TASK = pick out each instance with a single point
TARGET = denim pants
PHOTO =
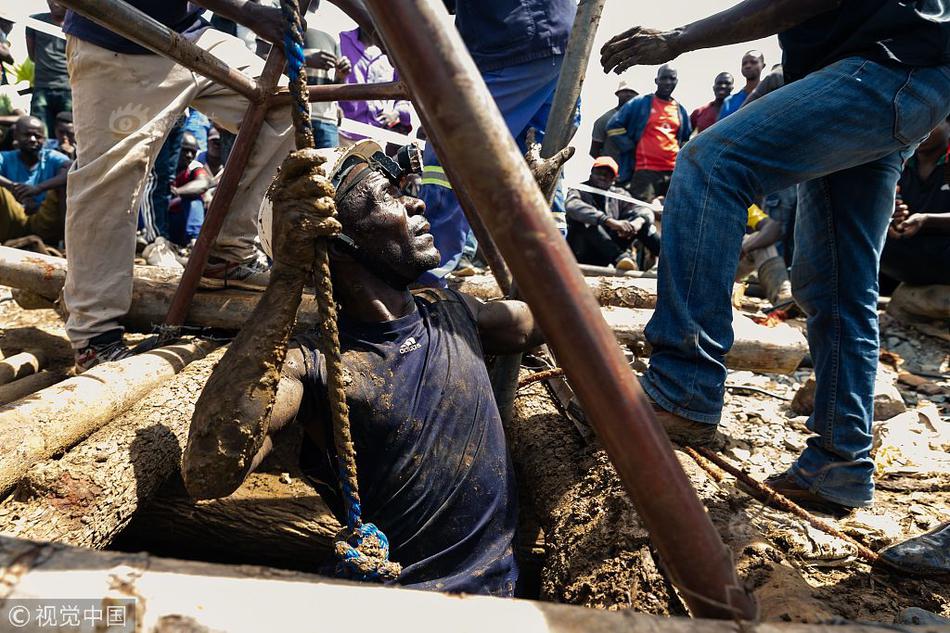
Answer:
(325, 133)
(843, 132)
(185, 218)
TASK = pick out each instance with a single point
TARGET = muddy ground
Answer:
(764, 435)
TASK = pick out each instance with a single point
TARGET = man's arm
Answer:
(505, 327)
(196, 187)
(767, 232)
(287, 402)
(30, 37)
(747, 21)
(235, 411)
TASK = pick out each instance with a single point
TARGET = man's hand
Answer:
(901, 212)
(268, 23)
(389, 118)
(623, 229)
(24, 192)
(545, 170)
(343, 68)
(303, 209)
(912, 225)
(321, 60)
(639, 46)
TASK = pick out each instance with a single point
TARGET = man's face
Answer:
(666, 81)
(189, 149)
(389, 229)
(65, 133)
(723, 86)
(29, 138)
(624, 96)
(752, 65)
(602, 177)
(214, 146)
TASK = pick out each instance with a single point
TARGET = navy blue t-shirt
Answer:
(433, 466)
(175, 14)
(502, 33)
(907, 32)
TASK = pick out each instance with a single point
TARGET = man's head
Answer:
(64, 128)
(383, 230)
(938, 140)
(29, 133)
(624, 93)
(753, 63)
(57, 11)
(666, 80)
(189, 149)
(722, 86)
(604, 172)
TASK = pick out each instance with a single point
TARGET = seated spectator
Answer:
(325, 65)
(760, 254)
(600, 143)
(32, 186)
(186, 212)
(600, 229)
(917, 250)
(370, 65)
(51, 93)
(64, 136)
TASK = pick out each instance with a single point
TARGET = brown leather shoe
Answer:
(785, 485)
(686, 432)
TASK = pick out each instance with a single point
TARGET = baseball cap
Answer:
(622, 86)
(607, 161)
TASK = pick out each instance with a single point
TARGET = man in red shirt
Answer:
(650, 130)
(704, 116)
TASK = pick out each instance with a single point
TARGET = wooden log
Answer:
(778, 349)
(175, 595)
(21, 365)
(87, 496)
(61, 415)
(621, 292)
(273, 519)
(26, 386)
(597, 550)
(757, 348)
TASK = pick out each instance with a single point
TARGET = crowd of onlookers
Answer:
(612, 219)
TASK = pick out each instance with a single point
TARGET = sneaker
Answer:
(103, 351)
(251, 275)
(787, 486)
(626, 263)
(465, 267)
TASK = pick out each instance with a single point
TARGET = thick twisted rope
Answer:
(362, 548)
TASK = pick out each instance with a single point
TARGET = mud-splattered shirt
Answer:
(433, 466)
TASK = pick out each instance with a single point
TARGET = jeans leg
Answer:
(775, 142)
(841, 224)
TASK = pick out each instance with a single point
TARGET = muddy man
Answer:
(433, 467)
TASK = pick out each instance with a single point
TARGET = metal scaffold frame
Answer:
(512, 221)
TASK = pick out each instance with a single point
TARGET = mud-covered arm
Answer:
(287, 402)
(505, 327)
(746, 21)
(233, 414)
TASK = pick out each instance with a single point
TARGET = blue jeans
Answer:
(185, 220)
(524, 94)
(843, 132)
(325, 134)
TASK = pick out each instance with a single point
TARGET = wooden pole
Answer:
(20, 365)
(59, 416)
(609, 291)
(26, 386)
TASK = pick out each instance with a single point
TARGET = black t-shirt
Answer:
(175, 14)
(907, 32)
(926, 196)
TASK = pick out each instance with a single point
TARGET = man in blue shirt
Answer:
(753, 63)
(32, 186)
(867, 81)
(518, 47)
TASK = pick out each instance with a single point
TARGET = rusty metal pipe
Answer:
(146, 31)
(354, 92)
(482, 155)
(560, 120)
(224, 194)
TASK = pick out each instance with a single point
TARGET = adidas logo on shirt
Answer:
(409, 345)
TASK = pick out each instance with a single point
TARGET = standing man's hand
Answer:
(321, 60)
(389, 118)
(343, 68)
(639, 46)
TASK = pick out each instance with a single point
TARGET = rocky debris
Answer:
(888, 401)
